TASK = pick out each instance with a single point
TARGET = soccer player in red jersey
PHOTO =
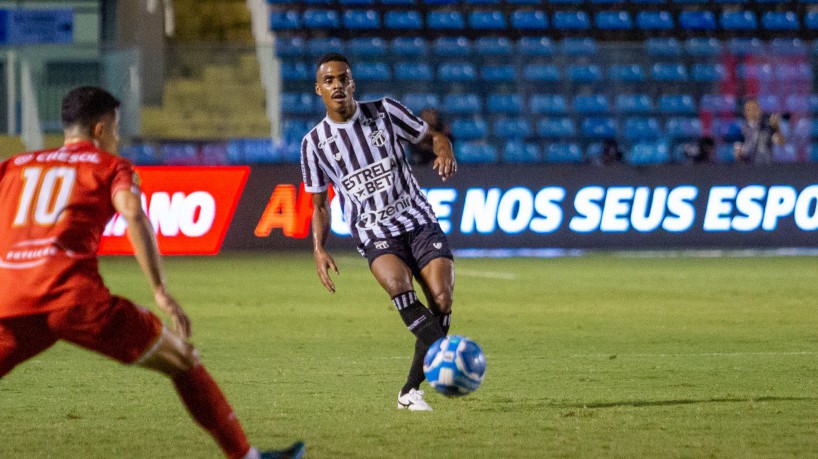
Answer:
(54, 205)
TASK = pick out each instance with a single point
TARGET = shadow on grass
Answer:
(642, 403)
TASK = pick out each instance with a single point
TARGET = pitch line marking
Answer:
(703, 354)
(486, 274)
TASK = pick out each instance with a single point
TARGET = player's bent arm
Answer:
(320, 231)
(445, 163)
(140, 233)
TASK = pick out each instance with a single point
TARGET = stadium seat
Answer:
(284, 20)
(697, 20)
(507, 104)
(372, 71)
(535, 46)
(562, 152)
(493, 46)
(297, 103)
(445, 20)
(296, 71)
(452, 46)
(683, 127)
(461, 104)
(456, 73)
(179, 153)
(356, 2)
(398, 2)
(403, 20)
(565, 2)
(551, 104)
(511, 128)
(668, 73)
(367, 46)
(571, 20)
(797, 103)
(523, 2)
(516, 151)
(718, 103)
(725, 154)
(439, 2)
(140, 154)
(613, 20)
(469, 129)
(634, 103)
(553, 128)
(781, 46)
(769, 103)
(738, 20)
(541, 73)
(578, 46)
(641, 128)
(626, 73)
(417, 101)
(587, 104)
(677, 104)
(663, 47)
(780, 20)
(648, 153)
(361, 19)
(811, 20)
(289, 47)
(528, 20)
(745, 46)
(498, 73)
(703, 47)
(599, 127)
(321, 19)
(294, 129)
(654, 20)
(405, 71)
(648, 2)
(584, 73)
(475, 153)
(689, 2)
(754, 72)
(319, 46)
(215, 153)
(408, 46)
(487, 20)
(481, 2)
(708, 73)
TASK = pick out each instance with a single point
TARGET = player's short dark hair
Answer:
(333, 57)
(87, 105)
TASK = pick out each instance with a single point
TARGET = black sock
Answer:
(426, 328)
(416, 375)
(445, 321)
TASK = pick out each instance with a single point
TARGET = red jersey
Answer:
(54, 205)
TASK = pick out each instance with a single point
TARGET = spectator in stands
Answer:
(759, 131)
(422, 153)
(610, 153)
(701, 151)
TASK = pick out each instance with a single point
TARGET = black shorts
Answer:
(416, 248)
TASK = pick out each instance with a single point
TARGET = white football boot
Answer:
(413, 401)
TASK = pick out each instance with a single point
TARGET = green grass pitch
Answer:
(597, 356)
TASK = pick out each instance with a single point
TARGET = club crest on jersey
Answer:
(377, 138)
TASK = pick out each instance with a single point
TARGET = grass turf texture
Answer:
(587, 357)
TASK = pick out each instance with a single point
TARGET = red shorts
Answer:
(119, 329)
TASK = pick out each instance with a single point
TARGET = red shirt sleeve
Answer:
(125, 178)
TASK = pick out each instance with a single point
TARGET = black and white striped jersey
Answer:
(365, 162)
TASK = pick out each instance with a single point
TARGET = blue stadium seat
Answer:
(141, 154)
(571, 20)
(475, 153)
(677, 104)
(641, 128)
(554, 128)
(309, 2)
(408, 46)
(703, 47)
(511, 128)
(648, 153)
(516, 151)
(253, 151)
(632, 73)
(398, 2)
(481, 2)
(613, 20)
(562, 152)
(403, 20)
(535, 46)
(367, 46)
(551, 104)
(599, 127)
(668, 73)
(321, 19)
(811, 20)
(493, 46)
(417, 101)
(586, 104)
(456, 73)
(780, 20)
(565, 2)
(718, 103)
(754, 72)
(634, 103)
(528, 20)
(296, 71)
(541, 73)
(487, 20)
(797, 103)
(284, 20)
(689, 2)
(507, 104)
(745, 46)
(523, 2)
(683, 128)
(295, 130)
(297, 103)
(708, 73)
(769, 103)
(406, 71)
(663, 47)
(372, 71)
(781, 46)
(452, 46)
(697, 20)
(498, 73)
(654, 20)
(290, 47)
(439, 2)
(445, 20)
(589, 73)
(356, 2)
(578, 46)
(813, 152)
(725, 154)
(319, 46)
(461, 104)
(469, 129)
(362, 19)
(798, 72)
(648, 2)
(724, 2)
(738, 20)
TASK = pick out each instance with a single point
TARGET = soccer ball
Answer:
(454, 366)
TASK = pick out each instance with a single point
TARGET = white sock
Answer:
(252, 454)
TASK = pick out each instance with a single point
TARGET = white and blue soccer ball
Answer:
(454, 366)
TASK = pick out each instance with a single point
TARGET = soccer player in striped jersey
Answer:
(358, 148)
